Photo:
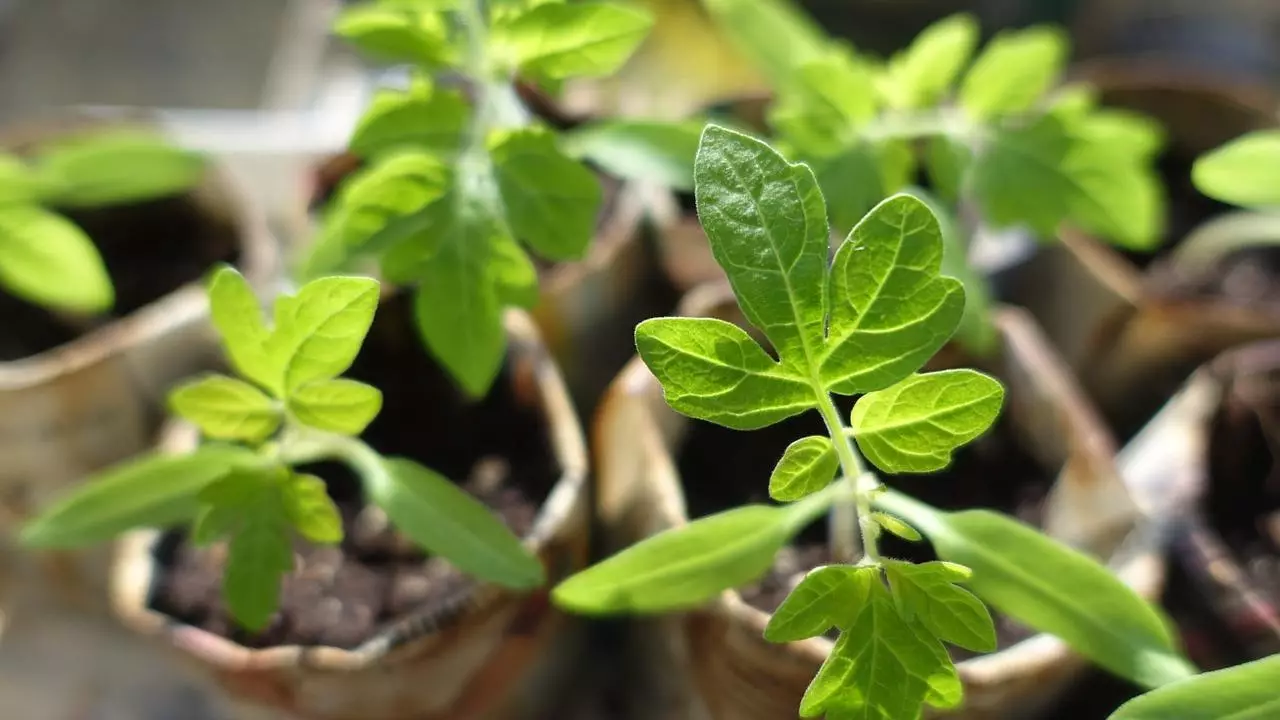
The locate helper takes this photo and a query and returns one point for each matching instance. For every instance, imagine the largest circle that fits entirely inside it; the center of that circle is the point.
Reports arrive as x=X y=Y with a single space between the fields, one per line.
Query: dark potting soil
x=150 y=249
x=342 y=596
x=723 y=468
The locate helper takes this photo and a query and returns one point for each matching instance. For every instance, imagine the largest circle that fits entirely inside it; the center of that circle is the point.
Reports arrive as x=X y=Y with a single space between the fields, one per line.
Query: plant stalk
x=851 y=512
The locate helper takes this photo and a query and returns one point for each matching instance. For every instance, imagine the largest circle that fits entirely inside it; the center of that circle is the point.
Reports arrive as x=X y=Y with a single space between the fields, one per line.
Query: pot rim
x=415 y=635
x=259 y=261
x=1140 y=564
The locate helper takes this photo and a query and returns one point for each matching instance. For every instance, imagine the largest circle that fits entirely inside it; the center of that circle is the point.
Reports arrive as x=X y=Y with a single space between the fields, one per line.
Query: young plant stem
x=851 y=512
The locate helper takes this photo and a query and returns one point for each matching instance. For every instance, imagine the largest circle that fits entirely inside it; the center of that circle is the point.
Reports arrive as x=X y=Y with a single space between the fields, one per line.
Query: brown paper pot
x=587 y=307
x=75 y=397
x=1223 y=485
x=714 y=663
x=465 y=652
x=1132 y=330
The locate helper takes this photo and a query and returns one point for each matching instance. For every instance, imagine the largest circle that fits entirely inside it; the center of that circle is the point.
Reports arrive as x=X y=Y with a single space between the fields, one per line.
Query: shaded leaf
x=19 y=184
x=827 y=101
x=258 y=556
x=636 y=149
x=551 y=201
x=1019 y=178
x=776 y=36
x=387 y=203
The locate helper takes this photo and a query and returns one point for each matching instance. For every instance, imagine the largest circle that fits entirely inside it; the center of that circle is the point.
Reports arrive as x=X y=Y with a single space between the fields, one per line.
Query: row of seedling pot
x=372 y=497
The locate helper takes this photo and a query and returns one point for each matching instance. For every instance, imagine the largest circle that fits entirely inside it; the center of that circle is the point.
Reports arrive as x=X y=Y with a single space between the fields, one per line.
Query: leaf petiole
x=851 y=512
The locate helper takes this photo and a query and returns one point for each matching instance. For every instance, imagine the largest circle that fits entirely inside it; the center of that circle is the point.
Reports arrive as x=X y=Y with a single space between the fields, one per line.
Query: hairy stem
x=851 y=512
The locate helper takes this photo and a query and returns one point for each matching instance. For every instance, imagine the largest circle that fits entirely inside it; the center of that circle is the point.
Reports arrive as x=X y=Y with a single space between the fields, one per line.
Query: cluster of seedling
x=287 y=408
x=46 y=258
x=863 y=324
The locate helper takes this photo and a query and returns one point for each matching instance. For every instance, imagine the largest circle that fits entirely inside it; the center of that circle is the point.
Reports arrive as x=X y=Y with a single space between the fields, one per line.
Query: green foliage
x=45 y=258
x=457 y=184
x=1243 y=692
x=288 y=408
x=862 y=323
x=1243 y=172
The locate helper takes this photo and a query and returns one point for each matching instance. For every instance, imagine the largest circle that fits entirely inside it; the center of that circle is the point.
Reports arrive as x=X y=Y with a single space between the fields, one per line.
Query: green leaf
x=807 y=466
x=712 y=370
x=310 y=509
x=431 y=120
x=914 y=426
x=225 y=408
x=1051 y=587
x=397 y=34
x=890 y=309
x=851 y=182
x=458 y=307
x=1243 y=692
x=882 y=667
x=920 y=75
x=48 y=260
x=928 y=594
x=1244 y=172
x=1116 y=196
x=115 y=167
x=561 y=40
x=551 y=200
x=1013 y=72
x=319 y=331
x=946 y=161
x=896 y=526
x=19 y=185
x=636 y=149
x=259 y=555
x=147 y=491
x=767 y=226
x=976 y=332
x=388 y=203
x=1019 y=178
x=237 y=316
x=444 y=520
x=827 y=597
x=337 y=405
x=686 y=566
x=827 y=101
x=776 y=36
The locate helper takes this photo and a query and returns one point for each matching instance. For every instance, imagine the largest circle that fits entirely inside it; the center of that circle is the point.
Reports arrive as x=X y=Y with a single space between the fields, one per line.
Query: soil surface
x=723 y=468
x=342 y=596
x=150 y=249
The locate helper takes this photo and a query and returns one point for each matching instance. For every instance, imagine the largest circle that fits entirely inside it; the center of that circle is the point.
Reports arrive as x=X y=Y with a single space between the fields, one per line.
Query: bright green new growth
x=863 y=323
x=288 y=408
x=456 y=181
x=47 y=259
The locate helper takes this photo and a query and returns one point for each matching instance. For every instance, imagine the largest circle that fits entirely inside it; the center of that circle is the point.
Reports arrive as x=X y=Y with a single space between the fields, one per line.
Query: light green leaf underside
x=914 y=426
x=807 y=466
x=895 y=526
x=225 y=408
x=827 y=597
x=1243 y=692
x=338 y=405
x=890 y=309
x=882 y=667
x=444 y=520
x=49 y=260
x=1048 y=586
x=147 y=491
x=712 y=370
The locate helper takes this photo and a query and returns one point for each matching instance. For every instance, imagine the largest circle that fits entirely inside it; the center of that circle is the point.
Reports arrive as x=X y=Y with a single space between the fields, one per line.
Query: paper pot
x=714 y=663
x=83 y=403
x=483 y=652
x=586 y=307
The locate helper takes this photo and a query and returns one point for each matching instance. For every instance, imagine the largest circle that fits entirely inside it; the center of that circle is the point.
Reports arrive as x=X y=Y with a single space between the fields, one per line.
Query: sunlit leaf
x=337 y=405
x=48 y=260
x=1244 y=172
x=808 y=465
x=827 y=597
x=225 y=408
